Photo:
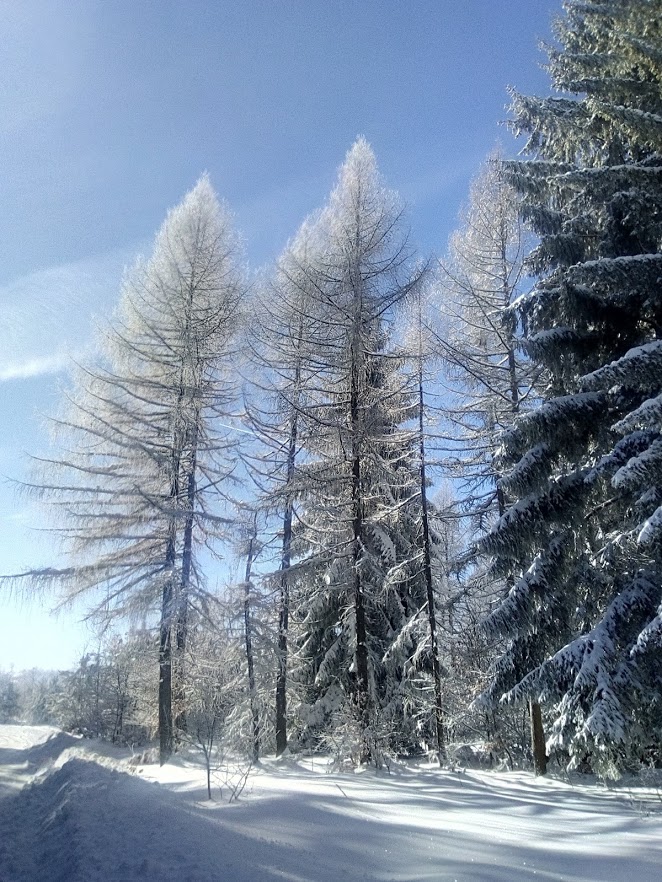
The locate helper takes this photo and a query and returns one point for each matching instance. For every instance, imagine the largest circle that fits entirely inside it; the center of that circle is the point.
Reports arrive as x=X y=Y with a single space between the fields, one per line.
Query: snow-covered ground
x=78 y=811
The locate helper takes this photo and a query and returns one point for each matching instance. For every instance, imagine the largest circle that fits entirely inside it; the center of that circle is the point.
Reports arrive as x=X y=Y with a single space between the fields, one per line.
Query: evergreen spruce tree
x=582 y=618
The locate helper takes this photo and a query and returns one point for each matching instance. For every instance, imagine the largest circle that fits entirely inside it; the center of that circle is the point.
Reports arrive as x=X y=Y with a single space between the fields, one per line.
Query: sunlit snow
x=80 y=811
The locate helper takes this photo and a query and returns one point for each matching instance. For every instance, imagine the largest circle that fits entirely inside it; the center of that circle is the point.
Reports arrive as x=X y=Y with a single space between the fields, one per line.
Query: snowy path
x=69 y=814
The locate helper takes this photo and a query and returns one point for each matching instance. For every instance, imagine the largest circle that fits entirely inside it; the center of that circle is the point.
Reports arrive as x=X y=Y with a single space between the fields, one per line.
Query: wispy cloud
x=33 y=367
x=24 y=516
x=48 y=316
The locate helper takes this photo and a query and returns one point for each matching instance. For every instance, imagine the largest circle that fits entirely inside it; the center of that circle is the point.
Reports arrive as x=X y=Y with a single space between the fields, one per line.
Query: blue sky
x=113 y=110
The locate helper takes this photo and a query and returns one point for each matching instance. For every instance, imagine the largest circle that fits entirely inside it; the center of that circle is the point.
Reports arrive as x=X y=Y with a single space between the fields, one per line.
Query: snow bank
x=79 y=818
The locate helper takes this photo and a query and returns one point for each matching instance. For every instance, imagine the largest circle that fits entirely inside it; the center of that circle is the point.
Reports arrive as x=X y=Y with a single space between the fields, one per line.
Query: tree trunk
x=97 y=696
x=284 y=600
x=187 y=447
x=119 y=709
x=170 y=599
x=166 y=727
x=537 y=732
x=165 y=676
x=361 y=656
x=427 y=571
x=249 y=647
x=184 y=585
x=281 y=675
x=537 y=739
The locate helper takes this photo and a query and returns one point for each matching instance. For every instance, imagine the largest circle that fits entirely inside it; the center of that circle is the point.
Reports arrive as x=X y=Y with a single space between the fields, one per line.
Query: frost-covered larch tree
x=487 y=378
x=143 y=460
x=476 y=336
x=283 y=340
x=582 y=618
x=420 y=351
x=362 y=626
